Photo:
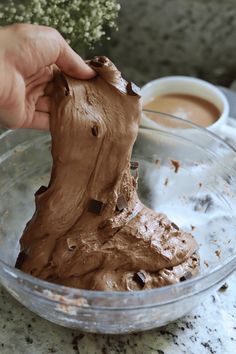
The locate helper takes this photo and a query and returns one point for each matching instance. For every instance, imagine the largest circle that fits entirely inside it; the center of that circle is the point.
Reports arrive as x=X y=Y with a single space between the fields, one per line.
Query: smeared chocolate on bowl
x=89 y=229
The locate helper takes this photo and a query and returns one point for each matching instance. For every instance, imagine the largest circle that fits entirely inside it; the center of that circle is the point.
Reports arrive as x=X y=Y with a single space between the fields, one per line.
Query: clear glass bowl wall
x=199 y=197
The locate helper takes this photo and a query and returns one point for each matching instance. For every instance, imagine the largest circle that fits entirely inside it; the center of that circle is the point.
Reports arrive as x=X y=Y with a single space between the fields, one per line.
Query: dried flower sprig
x=81 y=22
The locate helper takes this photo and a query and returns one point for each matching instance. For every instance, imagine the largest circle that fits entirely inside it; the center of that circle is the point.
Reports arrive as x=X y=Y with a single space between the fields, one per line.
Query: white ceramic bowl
x=191 y=86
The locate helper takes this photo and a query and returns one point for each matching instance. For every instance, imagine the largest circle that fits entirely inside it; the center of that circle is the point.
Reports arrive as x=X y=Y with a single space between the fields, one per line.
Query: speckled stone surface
x=159 y=37
x=210 y=328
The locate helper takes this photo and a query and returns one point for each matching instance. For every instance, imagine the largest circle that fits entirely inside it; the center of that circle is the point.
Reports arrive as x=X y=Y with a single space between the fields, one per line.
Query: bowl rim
x=190 y=124
x=28 y=280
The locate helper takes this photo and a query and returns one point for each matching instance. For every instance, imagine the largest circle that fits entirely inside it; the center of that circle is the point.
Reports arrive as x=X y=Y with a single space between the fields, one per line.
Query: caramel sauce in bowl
x=192 y=108
x=185 y=97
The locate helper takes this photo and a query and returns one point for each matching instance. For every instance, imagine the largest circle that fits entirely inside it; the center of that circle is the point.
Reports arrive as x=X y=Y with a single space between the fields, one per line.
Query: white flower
x=80 y=21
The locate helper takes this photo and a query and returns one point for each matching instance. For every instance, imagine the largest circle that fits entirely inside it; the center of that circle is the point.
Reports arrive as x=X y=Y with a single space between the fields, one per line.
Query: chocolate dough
x=89 y=229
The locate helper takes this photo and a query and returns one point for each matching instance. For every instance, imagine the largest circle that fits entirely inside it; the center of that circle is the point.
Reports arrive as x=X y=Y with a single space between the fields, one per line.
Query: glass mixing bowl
x=185 y=171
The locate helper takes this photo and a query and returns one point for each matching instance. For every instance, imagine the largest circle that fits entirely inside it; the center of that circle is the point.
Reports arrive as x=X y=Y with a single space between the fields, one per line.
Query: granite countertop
x=210 y=328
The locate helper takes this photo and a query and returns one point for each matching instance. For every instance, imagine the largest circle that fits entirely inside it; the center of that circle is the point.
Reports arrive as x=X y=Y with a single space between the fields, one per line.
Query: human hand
x=27 y=55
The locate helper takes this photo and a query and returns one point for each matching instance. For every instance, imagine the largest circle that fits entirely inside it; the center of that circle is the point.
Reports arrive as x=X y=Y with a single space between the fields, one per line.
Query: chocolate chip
x=176 y=165
x=140 y=278
x=132 y=89
x=41 y=190
x=186 y=276
x=95 y=130
x=95 y=206
x=102 y=59
x=121 y=203
x=98 y=61
x=134 y=165
x=224 y=287
x=97 y=64
x=176 y=227
x=20 y=259
x=218 y=252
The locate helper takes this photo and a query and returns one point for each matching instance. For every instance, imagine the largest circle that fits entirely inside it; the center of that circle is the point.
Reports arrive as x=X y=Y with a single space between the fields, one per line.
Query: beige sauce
x=192 y=108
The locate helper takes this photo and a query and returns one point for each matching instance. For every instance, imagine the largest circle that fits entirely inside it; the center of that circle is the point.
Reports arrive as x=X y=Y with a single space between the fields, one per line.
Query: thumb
x=72 y=64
